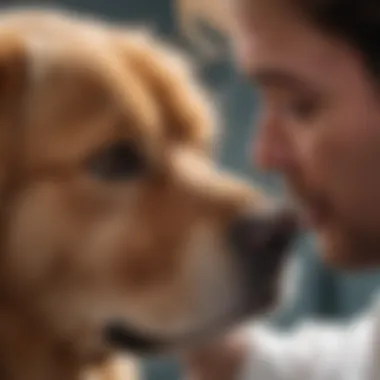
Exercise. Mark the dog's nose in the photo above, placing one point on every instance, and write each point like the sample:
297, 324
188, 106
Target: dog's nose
265, 232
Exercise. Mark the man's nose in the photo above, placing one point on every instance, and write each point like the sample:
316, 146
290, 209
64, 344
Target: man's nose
272, 149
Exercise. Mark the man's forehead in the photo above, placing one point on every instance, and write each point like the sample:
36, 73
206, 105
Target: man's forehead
279, 35
291, 60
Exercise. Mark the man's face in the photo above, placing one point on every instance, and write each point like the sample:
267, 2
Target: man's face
319, 126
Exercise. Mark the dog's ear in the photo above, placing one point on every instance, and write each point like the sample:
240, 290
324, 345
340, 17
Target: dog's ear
167, 72
12, 88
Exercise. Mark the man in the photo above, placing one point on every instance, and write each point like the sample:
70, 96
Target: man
316, 64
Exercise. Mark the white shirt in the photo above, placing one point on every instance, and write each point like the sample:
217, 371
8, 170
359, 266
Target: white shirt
317, 351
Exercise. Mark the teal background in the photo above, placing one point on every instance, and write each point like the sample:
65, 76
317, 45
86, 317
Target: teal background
322, 292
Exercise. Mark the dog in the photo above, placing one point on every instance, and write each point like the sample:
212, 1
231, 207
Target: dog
119, 232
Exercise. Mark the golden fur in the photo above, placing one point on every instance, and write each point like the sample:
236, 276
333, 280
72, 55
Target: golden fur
78, 250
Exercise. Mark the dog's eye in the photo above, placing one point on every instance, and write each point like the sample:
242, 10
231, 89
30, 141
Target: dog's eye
118, 162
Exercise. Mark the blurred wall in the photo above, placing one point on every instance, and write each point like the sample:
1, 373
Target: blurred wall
321, 291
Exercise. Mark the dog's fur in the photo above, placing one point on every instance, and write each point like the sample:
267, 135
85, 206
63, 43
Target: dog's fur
84, 243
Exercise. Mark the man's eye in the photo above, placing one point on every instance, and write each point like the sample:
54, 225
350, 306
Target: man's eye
119, 162
303, 109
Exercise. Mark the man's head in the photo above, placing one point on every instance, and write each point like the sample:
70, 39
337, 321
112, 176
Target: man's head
315, 64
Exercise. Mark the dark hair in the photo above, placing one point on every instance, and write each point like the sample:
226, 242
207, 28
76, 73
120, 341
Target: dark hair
356, 22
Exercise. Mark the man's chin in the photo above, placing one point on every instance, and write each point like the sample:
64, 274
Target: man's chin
342, 252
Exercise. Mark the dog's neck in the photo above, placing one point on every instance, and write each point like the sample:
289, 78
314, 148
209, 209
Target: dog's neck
27, 353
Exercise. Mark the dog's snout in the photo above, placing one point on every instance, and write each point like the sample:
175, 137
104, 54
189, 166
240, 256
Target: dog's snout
270, 231
124, 337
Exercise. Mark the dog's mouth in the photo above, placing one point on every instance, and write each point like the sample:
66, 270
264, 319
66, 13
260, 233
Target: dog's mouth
122, 336
259, 273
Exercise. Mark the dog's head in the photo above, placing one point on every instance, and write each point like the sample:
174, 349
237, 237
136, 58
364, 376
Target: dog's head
116, 225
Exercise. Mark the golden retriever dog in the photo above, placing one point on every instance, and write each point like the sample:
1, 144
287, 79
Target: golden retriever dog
119, 233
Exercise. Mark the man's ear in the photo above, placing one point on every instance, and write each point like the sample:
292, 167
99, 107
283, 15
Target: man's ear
13, 71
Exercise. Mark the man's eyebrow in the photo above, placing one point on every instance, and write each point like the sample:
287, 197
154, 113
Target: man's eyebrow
276, 78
